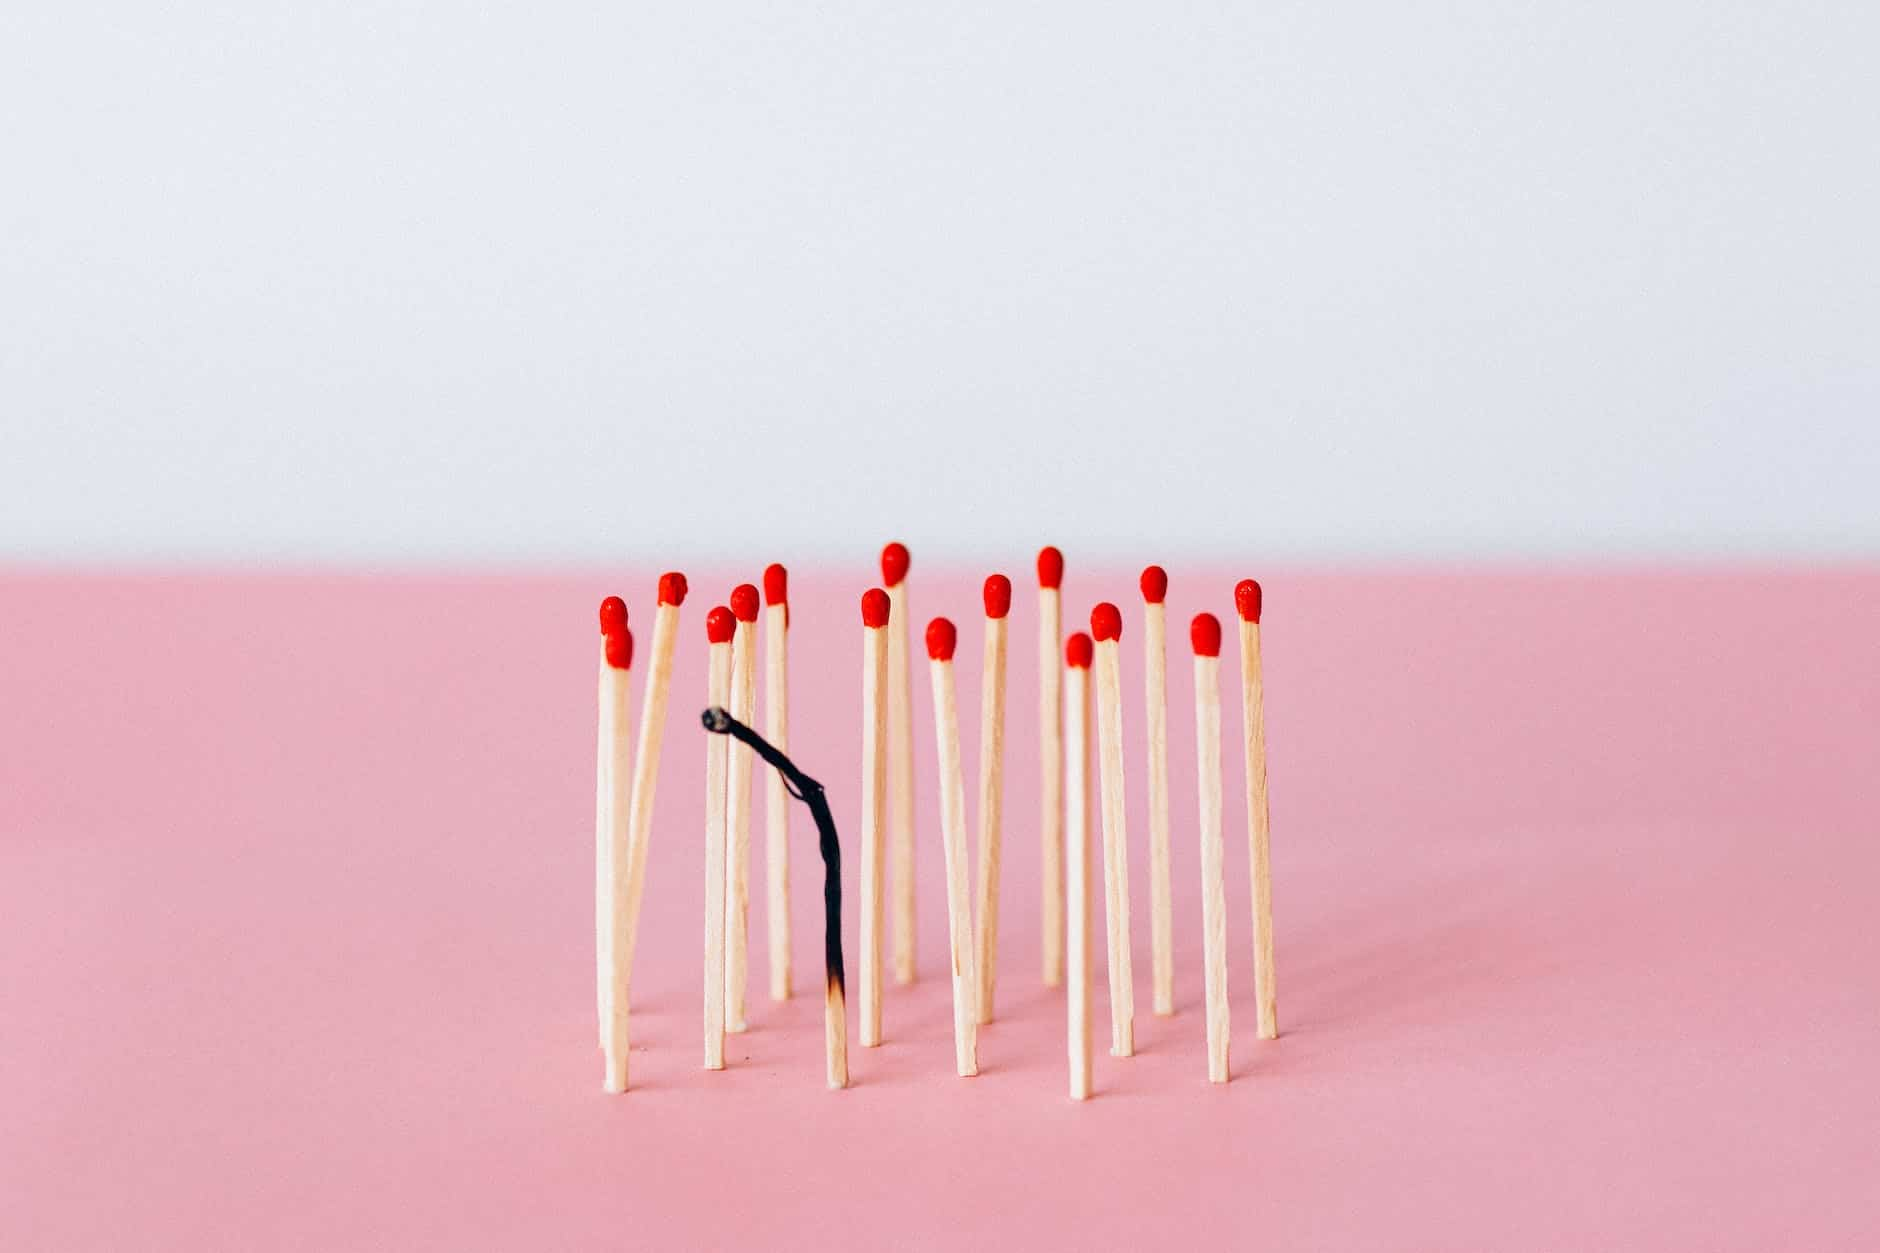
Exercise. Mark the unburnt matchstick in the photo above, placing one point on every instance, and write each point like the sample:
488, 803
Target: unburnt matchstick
776, 798
810, 792
744, 608
1154, 584
1106, 629
1204, 634
720, 625
875, 613
894, 565
1247, 604
998, 600
941, 639
1077, 657
613, 796
1051, 762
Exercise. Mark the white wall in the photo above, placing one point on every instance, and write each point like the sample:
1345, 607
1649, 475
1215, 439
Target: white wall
409, 281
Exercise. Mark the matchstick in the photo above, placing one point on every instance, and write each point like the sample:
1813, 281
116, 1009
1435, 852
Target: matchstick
1051, 762
941, 639
1106, 628
738, 809
875, 613
998, 598
1154, 584
613, 789
1247, 599
776, 799
629, 890
720, 625
1077, 653
1205, 634
894, 563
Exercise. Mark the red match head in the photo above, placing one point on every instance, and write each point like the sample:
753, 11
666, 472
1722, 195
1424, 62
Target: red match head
1154, 584
1050, 567
719, 625
672, 589
744, 602
893, 564
1247, 600
941, 637
776, 584
1205, 634
998, 594
620, 648
874, 608
1106, 622
613, 615
1077, 651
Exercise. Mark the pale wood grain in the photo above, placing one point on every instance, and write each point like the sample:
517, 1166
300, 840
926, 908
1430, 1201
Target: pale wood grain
1259, 829
946, 717
1077, 873
991, 805
1213, 878
1115, 849
776, 799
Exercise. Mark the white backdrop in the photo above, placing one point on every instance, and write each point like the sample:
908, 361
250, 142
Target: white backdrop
559, 281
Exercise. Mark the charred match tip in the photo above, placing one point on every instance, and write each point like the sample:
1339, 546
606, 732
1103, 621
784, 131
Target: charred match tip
715, 719
894, 563
620, 648
1078, 651
1050, 567
1205, 634
1154, 584
941, 637
744, 602
720, 623
1106, 622
613, 615
998, 594
1247, 600
874, 608
776, 584
672, 588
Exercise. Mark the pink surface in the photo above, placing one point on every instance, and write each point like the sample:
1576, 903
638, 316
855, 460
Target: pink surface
1574, 893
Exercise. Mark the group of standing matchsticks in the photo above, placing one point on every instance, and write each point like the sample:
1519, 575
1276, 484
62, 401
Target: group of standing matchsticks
624, 812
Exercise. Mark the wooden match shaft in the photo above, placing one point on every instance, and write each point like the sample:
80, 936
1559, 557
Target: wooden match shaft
1213, 880
1161, 911
616, 851
738, 829
776, 799
874, 812
835, 1033
991, 801
1077, 870
1051, 781
645, 781
901, 783
610, 736
1253, 715
716, 762
1115, 849
946, 719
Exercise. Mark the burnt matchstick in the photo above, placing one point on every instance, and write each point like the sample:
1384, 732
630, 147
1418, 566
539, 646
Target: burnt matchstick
1051, 761
835, 1015
1247, 604
1154, 584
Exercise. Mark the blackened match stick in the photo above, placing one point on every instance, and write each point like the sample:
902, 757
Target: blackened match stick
1247, 603
810, 792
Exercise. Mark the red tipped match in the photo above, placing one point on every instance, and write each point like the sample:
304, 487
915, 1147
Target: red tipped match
672, 588
613, 615
894, 563
744, 602
1078, 651
776, 584
1247, 600
1106, 622
719, 625
1050, 567
620, 648
1205, 634
940, 639
874, 608
1154, 584
998, 594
